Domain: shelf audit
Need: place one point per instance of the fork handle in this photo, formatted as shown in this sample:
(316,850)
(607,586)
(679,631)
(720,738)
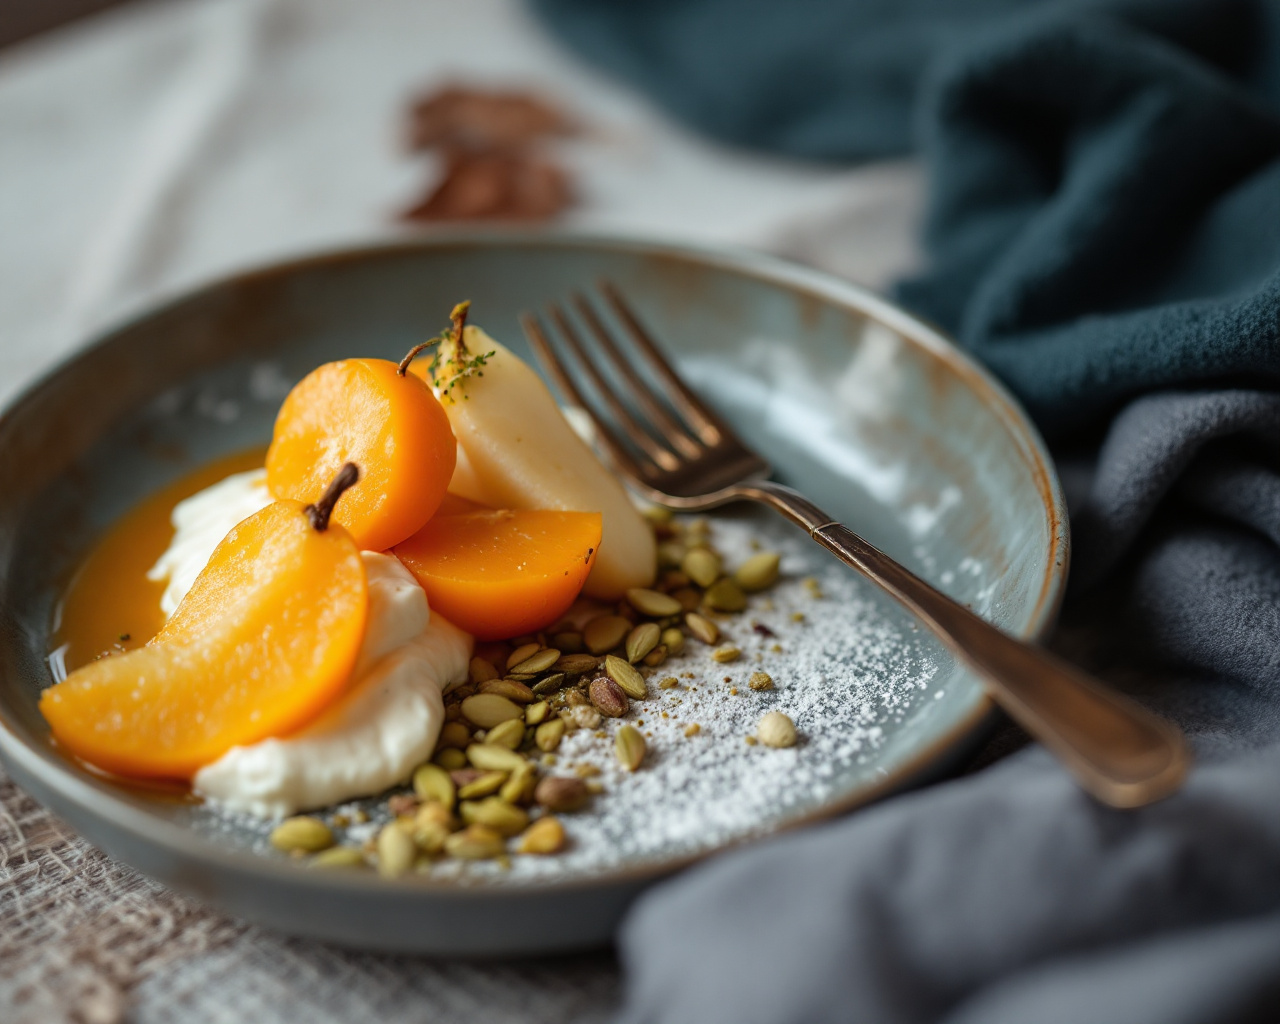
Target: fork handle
(1118,751)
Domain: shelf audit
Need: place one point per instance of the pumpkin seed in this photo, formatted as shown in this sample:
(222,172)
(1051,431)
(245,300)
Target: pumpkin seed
(490,757)
(561,793)
(608,697)
(539,662)
(641,640)
(489,709)
(702,566)
(776,730)
(549,734)
(475,842)
(670,554)
(546,835)
(451,759)
(673,640)
(509,734)
(497,814)
(396,851)
(758,572)
(760,681)
(626,676)
(570,642)
(338,857)
(431,782)
(434,812)
(485,785)
(726,654)
(430,836)
(702,627)
(629,747)
(481,670)
(453,734)
(521,653)
(605,632)
(725,596)
(304,834)
(519,788)
(512,689)
(576,664)
(549,684)
(653,603)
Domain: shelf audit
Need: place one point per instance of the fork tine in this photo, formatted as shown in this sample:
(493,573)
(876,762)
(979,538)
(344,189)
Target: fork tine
(707,425)
(622,416)
(618,451)
(676,434)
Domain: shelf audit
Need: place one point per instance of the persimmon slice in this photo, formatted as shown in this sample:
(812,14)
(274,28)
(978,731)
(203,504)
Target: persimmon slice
(502,573)
(390,424)
(456,505)
(266,638)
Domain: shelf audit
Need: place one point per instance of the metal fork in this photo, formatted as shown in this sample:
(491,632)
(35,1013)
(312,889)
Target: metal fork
(677,452)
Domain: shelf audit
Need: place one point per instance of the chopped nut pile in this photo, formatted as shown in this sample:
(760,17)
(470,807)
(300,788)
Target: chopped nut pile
(488,791)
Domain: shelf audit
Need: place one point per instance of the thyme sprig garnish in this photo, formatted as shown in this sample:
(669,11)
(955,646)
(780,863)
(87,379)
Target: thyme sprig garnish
(460,363)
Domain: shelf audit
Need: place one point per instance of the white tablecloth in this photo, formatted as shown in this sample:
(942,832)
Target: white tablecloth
(163,144)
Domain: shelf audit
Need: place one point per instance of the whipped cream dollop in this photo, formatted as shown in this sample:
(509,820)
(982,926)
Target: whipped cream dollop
(380,729)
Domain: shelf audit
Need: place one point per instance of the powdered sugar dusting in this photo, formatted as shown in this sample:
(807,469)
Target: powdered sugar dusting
(839,674)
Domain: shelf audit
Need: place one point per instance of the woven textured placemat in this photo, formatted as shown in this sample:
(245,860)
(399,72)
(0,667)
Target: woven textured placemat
(86,940)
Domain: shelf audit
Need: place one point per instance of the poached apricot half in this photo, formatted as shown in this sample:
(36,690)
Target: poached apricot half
(389,423)
(266,638)
(498,574)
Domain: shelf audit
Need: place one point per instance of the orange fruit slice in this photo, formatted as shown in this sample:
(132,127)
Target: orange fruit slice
(367,412)
(266,638)
(500,574)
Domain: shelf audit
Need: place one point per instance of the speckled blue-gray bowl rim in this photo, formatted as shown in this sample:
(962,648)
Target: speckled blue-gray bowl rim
(581,912)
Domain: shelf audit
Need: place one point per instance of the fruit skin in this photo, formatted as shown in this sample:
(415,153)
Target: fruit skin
(264,641)
(520,453)
(391,425)
(503,573)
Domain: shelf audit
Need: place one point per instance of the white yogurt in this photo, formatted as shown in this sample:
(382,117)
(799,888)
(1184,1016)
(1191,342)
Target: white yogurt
(383,726)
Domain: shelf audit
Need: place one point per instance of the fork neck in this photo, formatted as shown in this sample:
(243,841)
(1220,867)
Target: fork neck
(792,504)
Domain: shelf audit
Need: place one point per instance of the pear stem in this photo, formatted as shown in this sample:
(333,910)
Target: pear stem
(459,318)
(320,512)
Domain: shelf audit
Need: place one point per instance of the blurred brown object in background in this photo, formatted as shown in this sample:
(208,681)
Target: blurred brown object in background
(20,19)
(461,118)
(488,142)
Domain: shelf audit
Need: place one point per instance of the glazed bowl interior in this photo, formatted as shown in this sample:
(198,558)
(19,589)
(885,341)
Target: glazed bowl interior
(862,408)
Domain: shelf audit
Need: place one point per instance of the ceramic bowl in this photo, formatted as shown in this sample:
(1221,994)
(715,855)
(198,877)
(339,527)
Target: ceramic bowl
(870,412)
